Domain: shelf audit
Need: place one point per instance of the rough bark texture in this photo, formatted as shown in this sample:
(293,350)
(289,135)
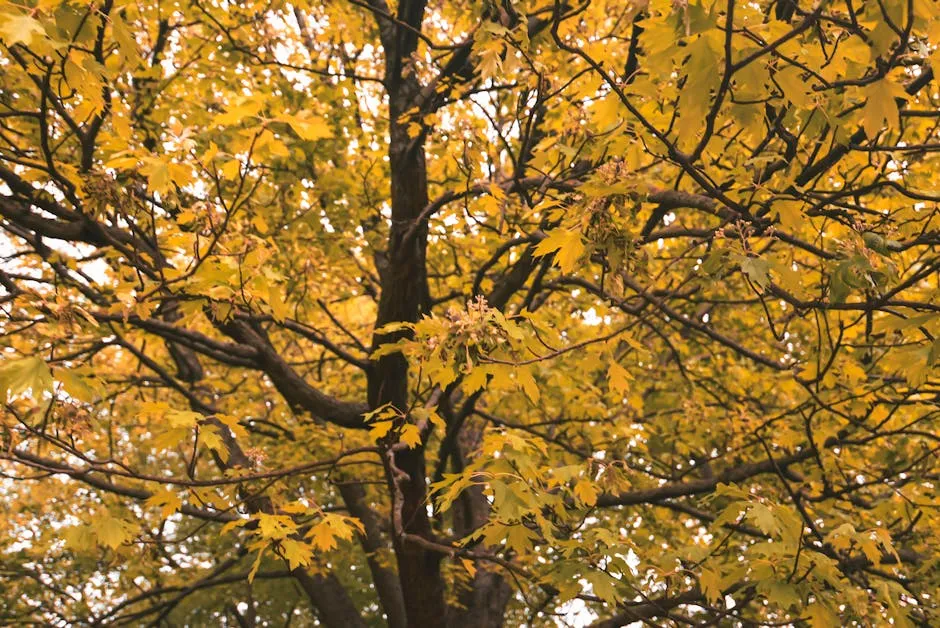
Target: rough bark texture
(404,296)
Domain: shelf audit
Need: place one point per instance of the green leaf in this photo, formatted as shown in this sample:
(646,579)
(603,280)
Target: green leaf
(821,616)
(764,518)
(757,270)
(783,594)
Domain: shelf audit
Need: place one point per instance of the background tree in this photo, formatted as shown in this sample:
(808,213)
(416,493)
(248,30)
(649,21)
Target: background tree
(463,313)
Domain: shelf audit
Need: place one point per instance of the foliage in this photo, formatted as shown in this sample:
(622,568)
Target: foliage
(469,313)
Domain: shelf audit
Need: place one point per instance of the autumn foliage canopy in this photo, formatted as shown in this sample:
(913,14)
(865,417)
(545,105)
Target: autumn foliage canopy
(469,313)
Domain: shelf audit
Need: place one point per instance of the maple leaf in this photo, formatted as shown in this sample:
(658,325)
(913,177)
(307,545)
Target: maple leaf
(296,553)
(710,583)
(567,246)
(311,128)
(528,384)
(380,429)
(19,29)
(323,536)
(165,499)
(757,270)
(111,531)
(881,109)
(566,278)
(275,527)
(586,492)
(410,435)
(619,378)
(238,113)
(25,374)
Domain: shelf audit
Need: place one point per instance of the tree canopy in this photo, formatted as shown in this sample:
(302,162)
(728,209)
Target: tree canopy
(469,313)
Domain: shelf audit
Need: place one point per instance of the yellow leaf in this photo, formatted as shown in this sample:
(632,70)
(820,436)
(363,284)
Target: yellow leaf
(111,531)
(180,174)
(122,163)
(790,213)
(255,566)
(158,175)
(322,536)
(122,127)
(881,109)
(410,435)
(231,169)
(211,153)
(567,246)
(275,527)
(476,379)
(125,39)
(211,438)
(794,87)
(427,414)
(296,553)
(313,128)
(233,424)
(236,114)
(469,566)
(165,499)
(79,538)
(278,307)
(821,617)
(171,438)
(519,537)
(332,527)
(710,584)
(528,384)
(19,29)
(606,112)
(618,378)
(182,419)
(26,374)
(295,508)
(585,492)
(231,525)
(379,429)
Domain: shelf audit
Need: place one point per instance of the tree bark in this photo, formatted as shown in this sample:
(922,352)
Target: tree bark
(404,297)
(386,582)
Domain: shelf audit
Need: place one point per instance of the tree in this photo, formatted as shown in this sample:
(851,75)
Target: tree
(456,313)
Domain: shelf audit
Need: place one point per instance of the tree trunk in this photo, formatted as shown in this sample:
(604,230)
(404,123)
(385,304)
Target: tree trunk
(404,297)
